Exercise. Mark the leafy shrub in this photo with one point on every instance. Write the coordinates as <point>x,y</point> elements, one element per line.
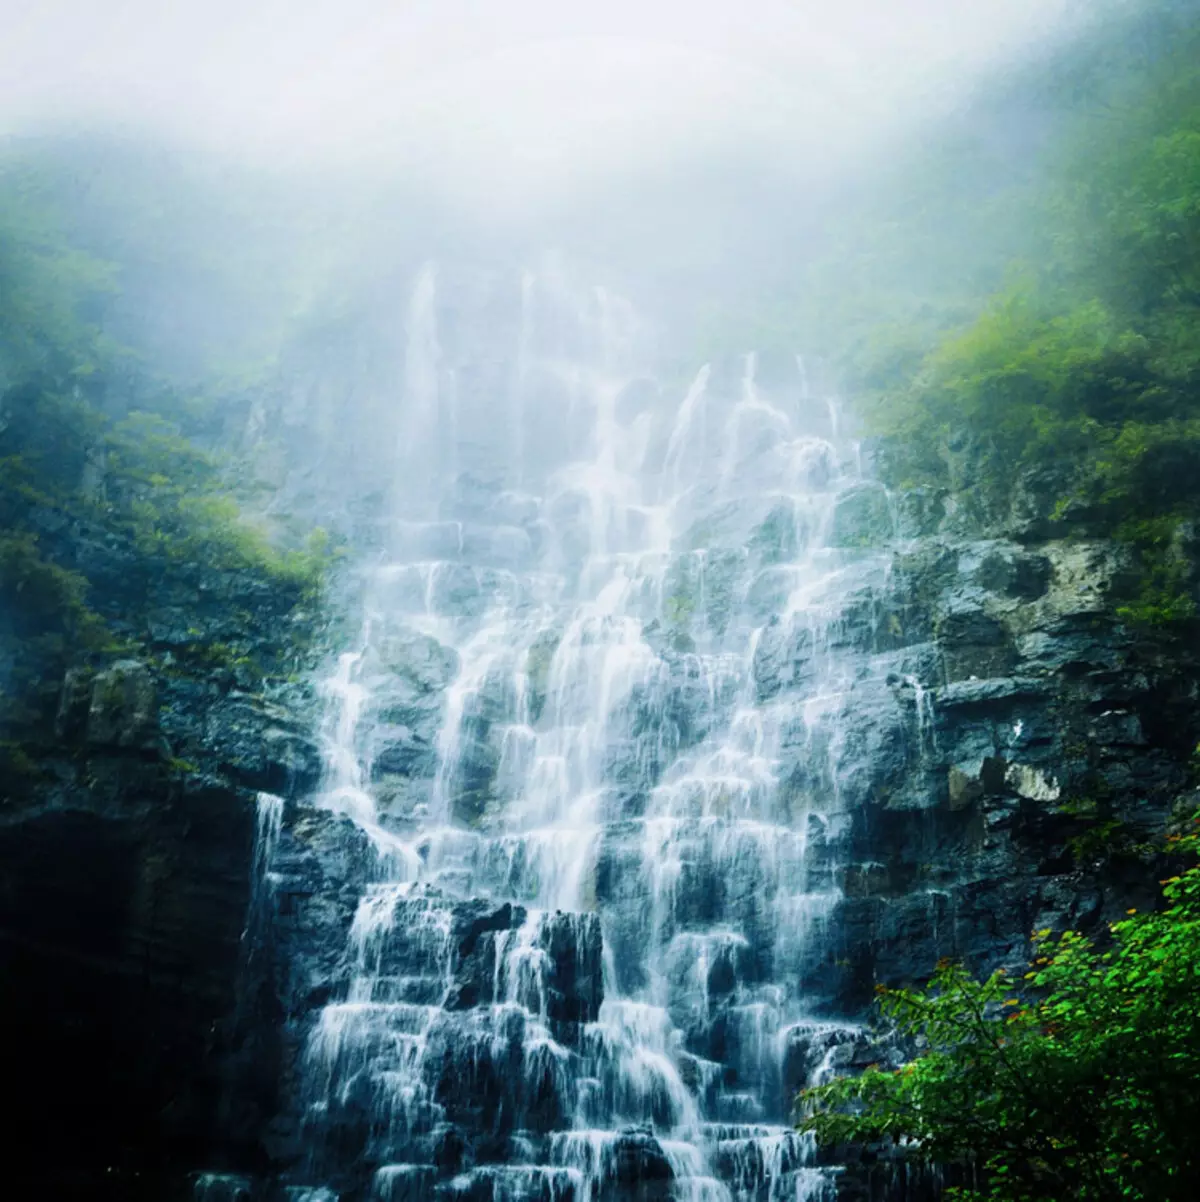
<point>41,600</point>
<point>1081,1082</point>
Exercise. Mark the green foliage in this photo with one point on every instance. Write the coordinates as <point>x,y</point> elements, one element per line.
<point>1162,596</point>
<point>44,620</point>
<point>167,493</point>
<point>1020,290</point>
<point>150,483</point>
<point>95,452</point>
<point>1081,1082</point>
<point>41,601</point>
<point>1064,341</point>
<point>140,474</point>
<point>679,609</point>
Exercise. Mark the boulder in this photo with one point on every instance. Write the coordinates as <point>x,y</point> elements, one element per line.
<point>123,708</point>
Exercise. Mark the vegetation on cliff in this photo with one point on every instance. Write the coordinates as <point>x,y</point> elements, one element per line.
<point>108,498</point>
<point>1019,298</point>
<point>1066,356</point>
<point>1085,1084</point>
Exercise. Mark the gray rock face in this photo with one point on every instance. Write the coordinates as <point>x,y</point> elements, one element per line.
<point>122,706</point>
<point>262,743</point>
<point>1047,702</point>
<point>70,722</point>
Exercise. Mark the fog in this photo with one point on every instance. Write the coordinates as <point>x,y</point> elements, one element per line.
<point>523,97</point>
<point>688,153</point>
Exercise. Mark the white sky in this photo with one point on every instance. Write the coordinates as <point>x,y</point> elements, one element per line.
<point>498,90</point>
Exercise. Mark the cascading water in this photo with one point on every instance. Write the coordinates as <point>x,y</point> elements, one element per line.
<point>604,805</point>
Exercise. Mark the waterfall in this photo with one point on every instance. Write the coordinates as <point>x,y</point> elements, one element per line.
<point>686,431</point>
<point>421,445</point>
<point>601,736</point>
<point>268,826</point>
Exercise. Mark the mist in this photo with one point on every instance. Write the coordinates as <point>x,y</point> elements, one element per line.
<point>519,100</point>
<point>682,151</point>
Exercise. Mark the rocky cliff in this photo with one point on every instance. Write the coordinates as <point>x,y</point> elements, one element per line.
<point>133,767</point>
<point>1011,753</point>
<point>819,735</point>
<point>265,937</point>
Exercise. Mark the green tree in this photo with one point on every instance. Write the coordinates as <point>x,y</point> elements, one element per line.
<point>1082,1082</point>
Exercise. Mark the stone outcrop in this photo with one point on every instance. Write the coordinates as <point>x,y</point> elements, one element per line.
<point>1041,717</point>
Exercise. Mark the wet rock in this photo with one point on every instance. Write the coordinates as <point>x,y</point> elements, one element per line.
<point>783,657</point>
<point>222,1187</point>
<point>70,723</point>
<point>1117,728</point>
<point>921,512</point>
<point>638,1170</point>
<point>261,745</point>
<point>537,669</point>
<point>575,982</point>
<point>964,786</point>
<point>404,1183</point>
<point>865,880</point>
<point>400,751</point>
<point>988,692</point>
<point>776,538</point>
<point>123,708</point>
<point>1031,783</point>
<point>400,703</point>
<point>416,658</point>
<point>808,1047</point>
<point>460,589</point>
<point>744,521</point>
<point>1011,572</point>
<point>974,644</point>
<point>478,762</point>
<point>124,920</point>
<point>862,517</point>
